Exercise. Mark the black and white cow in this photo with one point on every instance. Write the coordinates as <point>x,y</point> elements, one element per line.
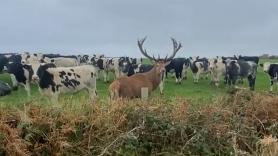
<point>239,69</point>
<point>36,59</point>
<point>8,57</point>
<point>179,66</point>
<point>55,80</point>
<point>20,74</point>
<point>199,66</point>
<point>119,66</point>
<point>217,68</point>
<point>272,70</point>
<point>128,66</point>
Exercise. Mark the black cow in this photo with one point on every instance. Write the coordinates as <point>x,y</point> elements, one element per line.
<point>272,70</point>
<point>255,59</point>
<point>179,65</point>
<point>236,69</point>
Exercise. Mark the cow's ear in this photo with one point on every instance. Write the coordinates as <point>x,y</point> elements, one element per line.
<point>261,64</point>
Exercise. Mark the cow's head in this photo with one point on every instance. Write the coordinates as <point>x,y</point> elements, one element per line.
<point>125,64</point>
<point>265,66</point>
<point>41,71</point>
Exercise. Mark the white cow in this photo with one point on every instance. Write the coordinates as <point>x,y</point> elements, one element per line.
<point>53,81</point>
<point>218,69</point>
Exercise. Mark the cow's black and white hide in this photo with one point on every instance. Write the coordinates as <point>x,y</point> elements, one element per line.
<point>240,69</point>
<point>55,80</point>
<point>8,58</point>
<point>255,59</point>
<point>142,68</point>
<point>114,65</point>
<point>199,66</point>
<point>179,66</point>
<point>62,61</point>
<point>20,74</point>
<point>127,65</point>
<point>84,59</point>
<point>217,68</point>
<point>272,70</point>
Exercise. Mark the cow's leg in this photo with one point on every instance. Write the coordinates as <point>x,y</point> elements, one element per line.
<point>184,74</point>
<point>251,82</point>
<point>194,77</point>
<point>92,93</point>
<point>54,99</point>
<point>225,79</point>
<point>14,82</point>
<point>105,75</point>
<point>177,76</point>
<point>197,76</point>
<point>271,84</point>
<point>28,88</point>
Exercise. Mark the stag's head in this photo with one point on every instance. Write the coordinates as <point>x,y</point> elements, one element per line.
<point>160,63</point>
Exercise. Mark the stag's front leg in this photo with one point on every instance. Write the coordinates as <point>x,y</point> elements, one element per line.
<point>161,87</point>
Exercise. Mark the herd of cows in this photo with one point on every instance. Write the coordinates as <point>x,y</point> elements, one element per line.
<point>55,73</point>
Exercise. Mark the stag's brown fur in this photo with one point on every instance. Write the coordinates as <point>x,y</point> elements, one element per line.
<point>130,87</point>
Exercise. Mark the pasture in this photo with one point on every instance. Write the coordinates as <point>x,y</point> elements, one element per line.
<point>202,92</point>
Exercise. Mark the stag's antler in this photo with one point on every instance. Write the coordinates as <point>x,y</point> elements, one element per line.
<point>176,48</point>
<point>144,51</point>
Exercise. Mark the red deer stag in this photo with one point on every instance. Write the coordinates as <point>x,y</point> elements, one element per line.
<point>130,87</point>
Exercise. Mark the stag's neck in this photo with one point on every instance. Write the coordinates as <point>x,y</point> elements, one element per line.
<point>153,77</point>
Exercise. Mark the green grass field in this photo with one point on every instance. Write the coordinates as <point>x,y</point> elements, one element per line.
<point>202,92</point>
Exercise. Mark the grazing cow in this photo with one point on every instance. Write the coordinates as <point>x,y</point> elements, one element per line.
<point>20,74</point>
<point>272,70</point>
<point>130,87</point>
<point>179,65</point>
<point>53,81</point>
<point>236,69</point>
<point>217,68</point>
<point>199,66</point>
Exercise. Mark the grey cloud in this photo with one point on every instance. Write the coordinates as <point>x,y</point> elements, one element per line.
<point>207,28</point>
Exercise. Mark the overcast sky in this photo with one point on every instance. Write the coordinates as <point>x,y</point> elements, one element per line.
<point>112,27</point>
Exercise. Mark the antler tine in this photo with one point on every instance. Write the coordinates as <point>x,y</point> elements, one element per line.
<point>176,48</point>
<point>144,51</point>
